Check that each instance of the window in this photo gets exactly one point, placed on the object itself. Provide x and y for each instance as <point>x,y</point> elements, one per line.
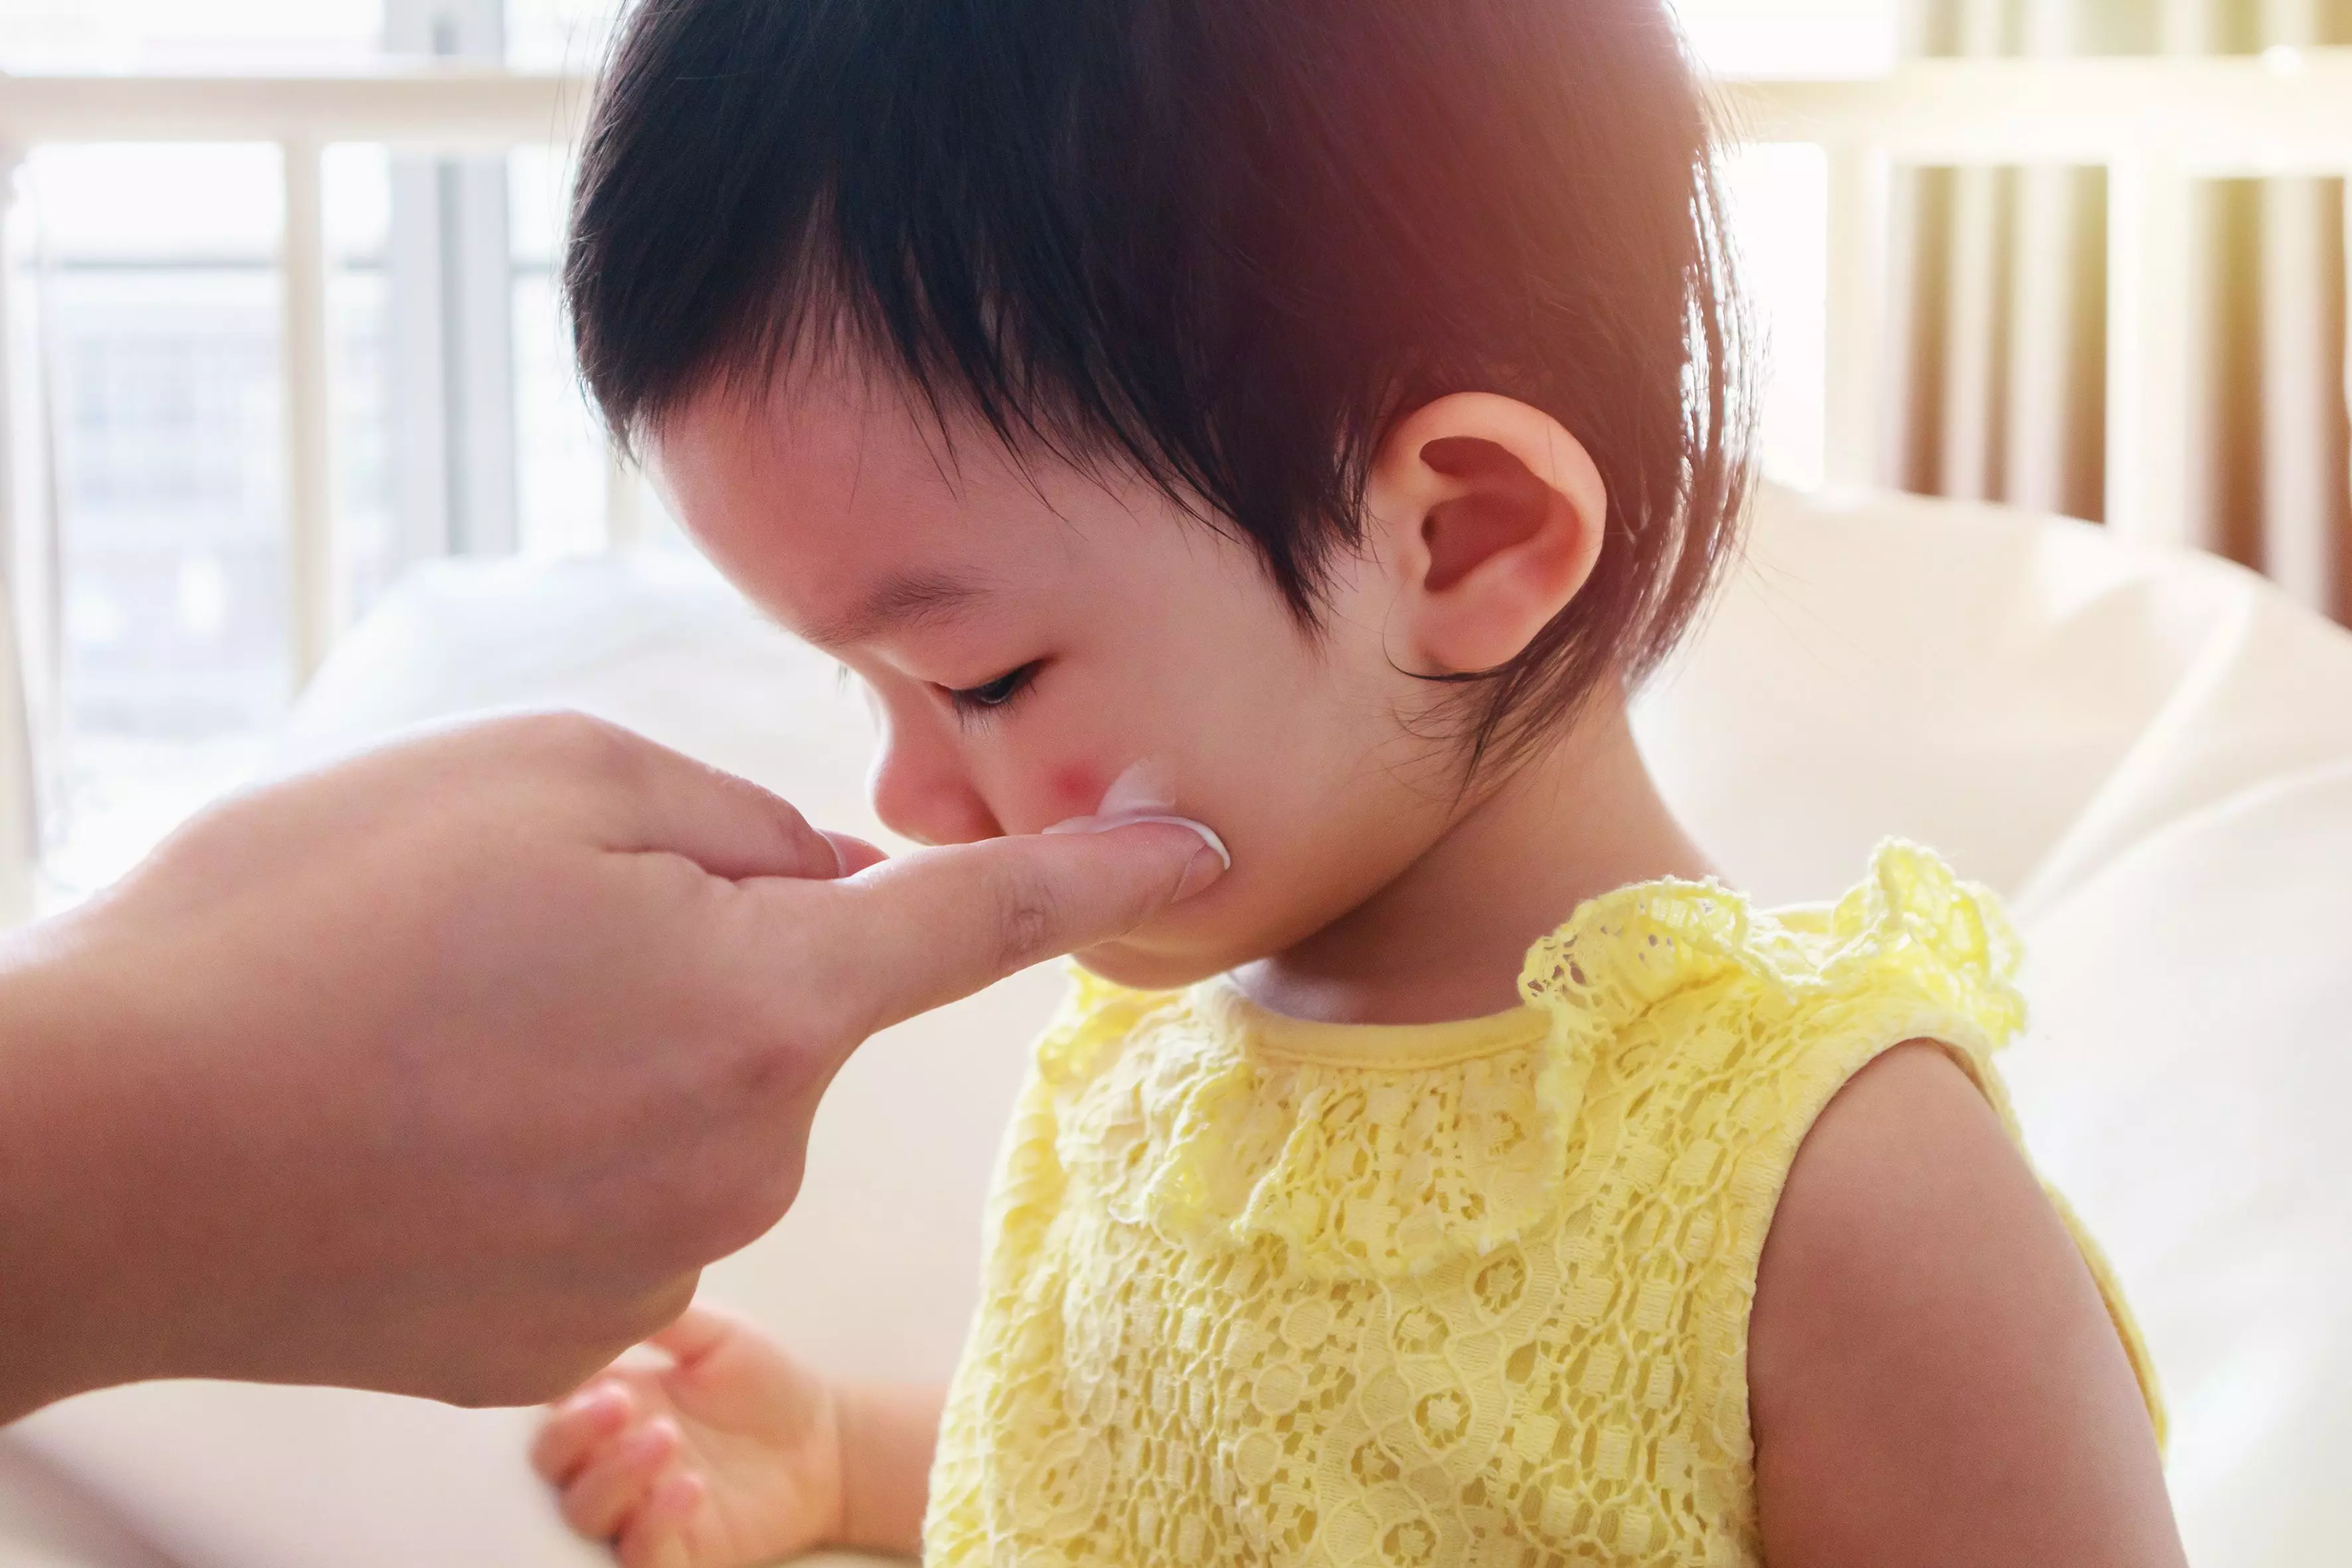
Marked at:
<point>148,299</point>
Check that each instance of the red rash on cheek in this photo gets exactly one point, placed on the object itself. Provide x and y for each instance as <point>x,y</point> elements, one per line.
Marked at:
<point>1078,787</point>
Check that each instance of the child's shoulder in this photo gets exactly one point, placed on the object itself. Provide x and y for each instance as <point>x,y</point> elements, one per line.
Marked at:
<point>1933,1336</point>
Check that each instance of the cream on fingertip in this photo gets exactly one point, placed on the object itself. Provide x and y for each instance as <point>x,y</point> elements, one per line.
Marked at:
<point>1111,824</point>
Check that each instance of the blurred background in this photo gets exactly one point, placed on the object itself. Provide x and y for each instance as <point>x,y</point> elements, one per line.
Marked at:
<point>1947,326</point>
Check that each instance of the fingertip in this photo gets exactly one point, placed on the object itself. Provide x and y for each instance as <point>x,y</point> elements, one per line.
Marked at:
<point>1206,836</point>
<point>926,929</point>
<point>1208,858</point>
<point>572,1429</point>
<point>657,1534</point>
<point>855,854</point>
<point>611,1487</point>
<point>599,1397</point>
<point>1207,868</point>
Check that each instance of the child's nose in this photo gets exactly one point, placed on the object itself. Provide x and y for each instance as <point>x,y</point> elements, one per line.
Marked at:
<point>920,791</point>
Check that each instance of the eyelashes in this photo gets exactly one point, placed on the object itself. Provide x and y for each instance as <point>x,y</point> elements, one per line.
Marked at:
<point>993,697</point>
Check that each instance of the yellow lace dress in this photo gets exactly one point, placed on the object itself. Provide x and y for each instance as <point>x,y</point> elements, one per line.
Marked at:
<point>1269,1291</point>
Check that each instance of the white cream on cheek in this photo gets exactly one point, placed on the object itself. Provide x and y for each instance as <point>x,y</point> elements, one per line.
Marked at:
<point>1143,793</point>
<point>1143,788</point>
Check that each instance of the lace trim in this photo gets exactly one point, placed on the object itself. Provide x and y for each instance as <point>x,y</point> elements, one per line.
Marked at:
<point>1367,1168</point>
<point>1909,922</point>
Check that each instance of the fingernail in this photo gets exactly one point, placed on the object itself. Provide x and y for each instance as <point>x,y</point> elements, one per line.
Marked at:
<point>1208,835</point>
<point>1208,863</point>
<point>851,853</point>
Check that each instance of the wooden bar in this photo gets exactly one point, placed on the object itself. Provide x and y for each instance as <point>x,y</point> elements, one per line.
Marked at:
<point>2303,407</point>
<point>2288,110</point>
<point>2285,113</point>
<point>439,108</point>
<point>1854,420</point>
<point>2150,353</point>
<point>1966,468</point>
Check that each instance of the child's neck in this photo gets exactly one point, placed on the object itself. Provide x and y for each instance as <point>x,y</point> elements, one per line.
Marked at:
<point>1445,939</point>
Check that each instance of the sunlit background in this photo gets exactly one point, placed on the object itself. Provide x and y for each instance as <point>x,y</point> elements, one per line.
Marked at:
<point>149,323</point>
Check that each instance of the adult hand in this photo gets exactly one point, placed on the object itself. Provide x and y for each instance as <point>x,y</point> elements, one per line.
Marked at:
<point>444,1070</point>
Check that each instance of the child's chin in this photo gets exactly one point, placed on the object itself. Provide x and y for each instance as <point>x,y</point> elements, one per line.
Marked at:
<point>1141,968</point>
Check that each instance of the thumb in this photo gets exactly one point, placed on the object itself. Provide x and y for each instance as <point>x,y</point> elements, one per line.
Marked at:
<point>935,926</point>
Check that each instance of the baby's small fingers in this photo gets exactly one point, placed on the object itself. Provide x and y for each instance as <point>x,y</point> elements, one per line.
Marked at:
<point>661,1534</point>
<point>614,1483</point>
<point>574,1428</point>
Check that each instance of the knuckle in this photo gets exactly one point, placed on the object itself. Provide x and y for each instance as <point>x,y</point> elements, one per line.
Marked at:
<point>783,818</point>
<point>755,1196</point>
<point>1027,914</point>
<point>776,1187</point>
<point>583,743</point>
<point>817,1027</point>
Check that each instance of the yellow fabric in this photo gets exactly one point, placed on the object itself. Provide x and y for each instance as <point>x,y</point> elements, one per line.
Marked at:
<point>1266,1291</point>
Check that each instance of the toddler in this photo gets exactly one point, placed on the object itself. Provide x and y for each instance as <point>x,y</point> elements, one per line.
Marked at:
<point>1310,419</point>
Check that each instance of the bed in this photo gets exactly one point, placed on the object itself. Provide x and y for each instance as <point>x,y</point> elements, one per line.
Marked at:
<point>2149,752</point>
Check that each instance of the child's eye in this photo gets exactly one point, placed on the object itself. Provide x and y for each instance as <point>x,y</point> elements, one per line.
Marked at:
<point>994,694</point>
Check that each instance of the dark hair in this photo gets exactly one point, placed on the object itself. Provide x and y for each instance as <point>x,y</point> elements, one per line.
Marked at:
<point>1227,241</point>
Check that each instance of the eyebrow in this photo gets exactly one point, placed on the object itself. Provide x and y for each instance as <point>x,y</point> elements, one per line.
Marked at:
<point>913,598</point>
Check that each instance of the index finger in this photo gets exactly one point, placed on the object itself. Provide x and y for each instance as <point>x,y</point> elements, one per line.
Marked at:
<point>656,800</point>
<point>933,927</point>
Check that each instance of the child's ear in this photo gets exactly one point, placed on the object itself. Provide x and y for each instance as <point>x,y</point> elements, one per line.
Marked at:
<point>1489,515</point>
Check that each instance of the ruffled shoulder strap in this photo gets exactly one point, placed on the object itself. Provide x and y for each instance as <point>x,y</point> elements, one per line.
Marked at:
<point>1949,938</point>
<point>1911,937</point>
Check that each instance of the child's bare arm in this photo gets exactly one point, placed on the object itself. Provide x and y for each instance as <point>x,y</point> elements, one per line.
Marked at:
<point>733,1455</point>
<point>1933,1375</point>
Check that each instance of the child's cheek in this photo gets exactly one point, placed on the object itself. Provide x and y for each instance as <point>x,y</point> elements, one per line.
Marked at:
<point>1075,789</point>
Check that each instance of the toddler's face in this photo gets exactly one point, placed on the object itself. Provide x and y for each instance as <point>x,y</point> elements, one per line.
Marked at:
<point>1029,636</point>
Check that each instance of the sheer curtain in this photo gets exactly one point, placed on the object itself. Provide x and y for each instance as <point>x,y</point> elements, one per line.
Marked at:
<point>2001,308</point>
<point>18,825</point>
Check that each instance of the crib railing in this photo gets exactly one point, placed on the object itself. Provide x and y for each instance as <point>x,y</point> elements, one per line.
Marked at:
<point>2154,124</point>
